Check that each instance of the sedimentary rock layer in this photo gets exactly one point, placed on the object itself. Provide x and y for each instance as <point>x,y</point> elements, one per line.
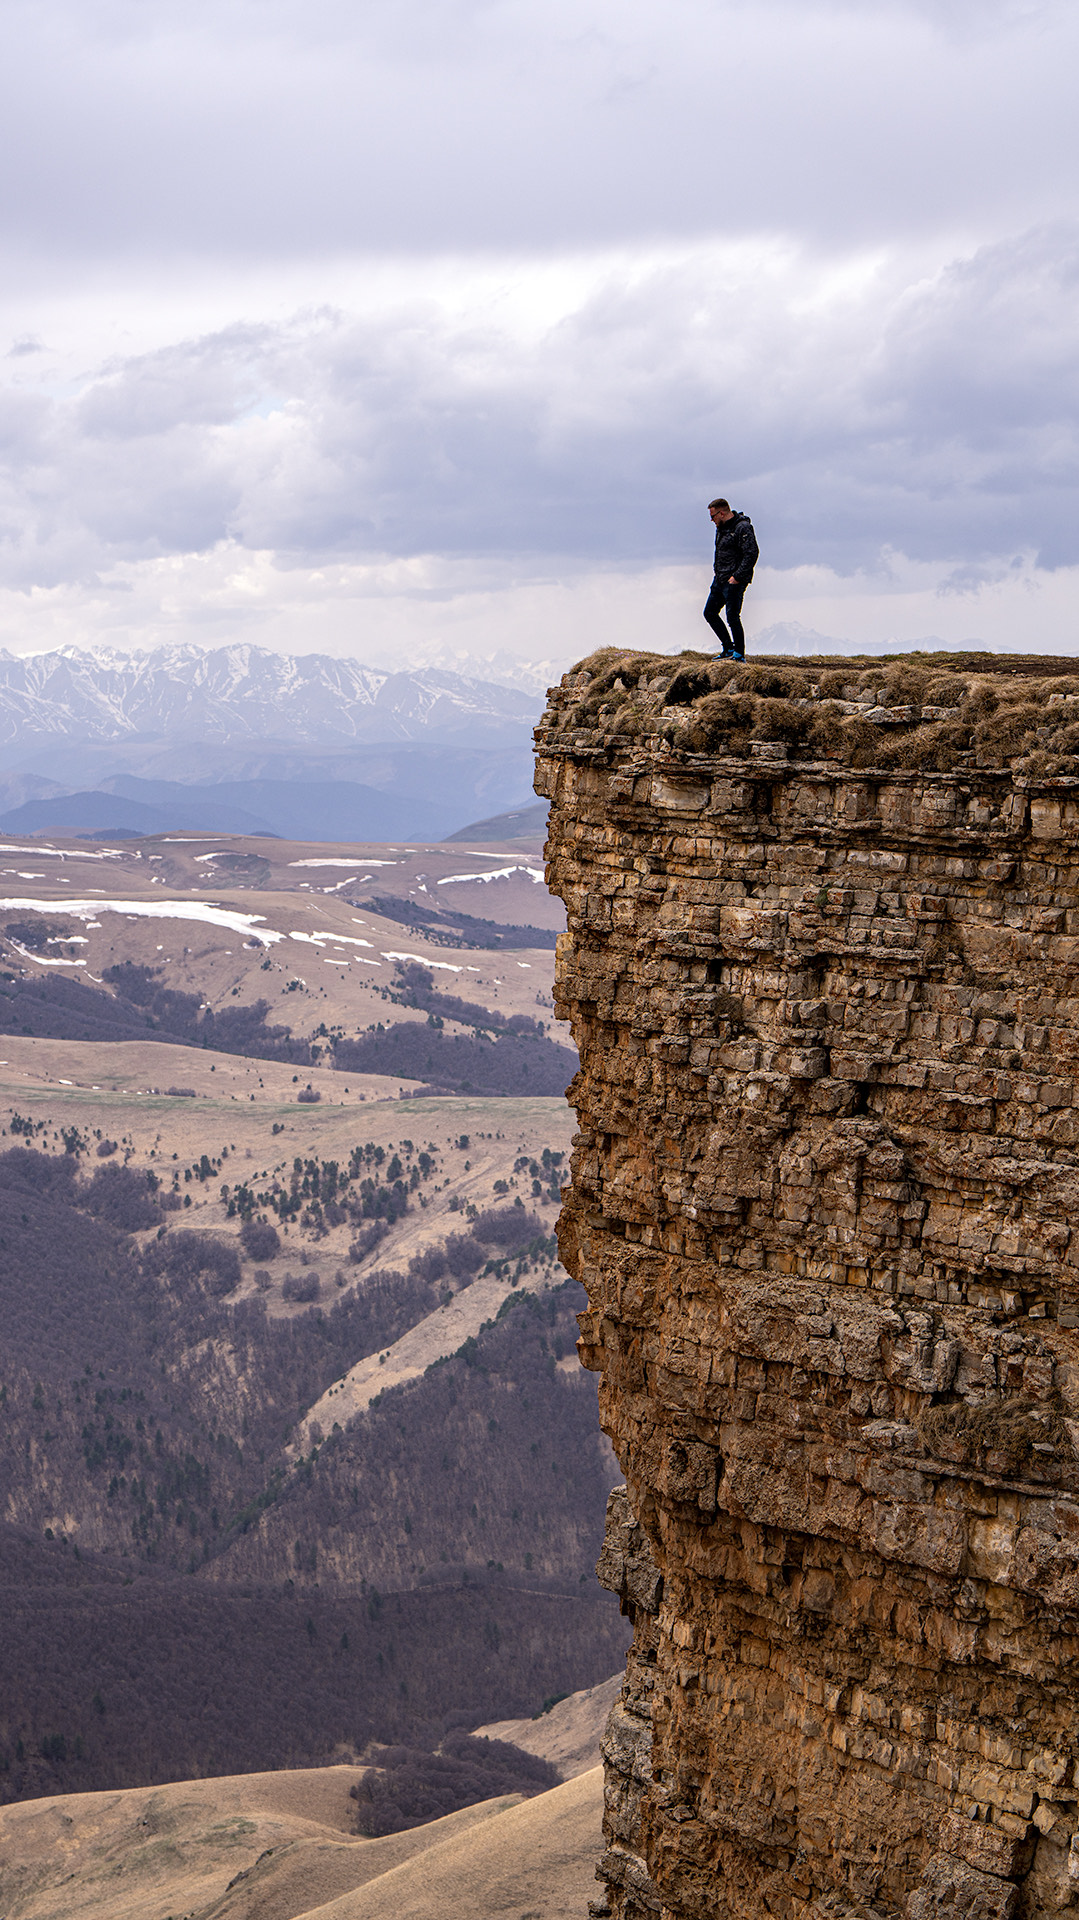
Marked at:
<point>822,967</point>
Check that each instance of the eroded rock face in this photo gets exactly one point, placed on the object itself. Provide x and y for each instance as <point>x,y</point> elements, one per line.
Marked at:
<point>825,1202</point>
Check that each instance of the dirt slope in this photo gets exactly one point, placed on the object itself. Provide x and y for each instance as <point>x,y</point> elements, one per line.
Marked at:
<point>535,1860</point>
<point>569,1734</point>
<point>275,1846</point>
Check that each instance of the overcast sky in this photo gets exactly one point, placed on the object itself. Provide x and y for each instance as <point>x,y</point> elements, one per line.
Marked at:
<point>414,328</point>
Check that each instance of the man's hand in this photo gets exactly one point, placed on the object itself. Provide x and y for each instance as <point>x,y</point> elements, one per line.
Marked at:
<point>732,582</point>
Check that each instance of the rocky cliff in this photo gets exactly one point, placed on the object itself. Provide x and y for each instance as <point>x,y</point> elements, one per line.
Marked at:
<point>822,967</point>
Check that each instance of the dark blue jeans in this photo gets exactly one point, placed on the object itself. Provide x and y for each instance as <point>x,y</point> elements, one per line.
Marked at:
<point>725,599</point>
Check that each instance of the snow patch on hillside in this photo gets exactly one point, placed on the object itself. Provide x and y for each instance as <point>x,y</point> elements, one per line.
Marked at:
<point>251,924</point>
<point>535,874</point>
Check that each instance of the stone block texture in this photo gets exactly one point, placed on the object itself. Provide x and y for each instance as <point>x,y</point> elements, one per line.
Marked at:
<point>822,966</point>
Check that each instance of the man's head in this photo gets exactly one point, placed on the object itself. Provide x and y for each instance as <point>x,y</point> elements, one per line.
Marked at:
<point>720,510</point>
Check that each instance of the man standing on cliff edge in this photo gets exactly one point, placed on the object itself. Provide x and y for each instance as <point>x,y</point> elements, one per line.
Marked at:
<point>737,554</point>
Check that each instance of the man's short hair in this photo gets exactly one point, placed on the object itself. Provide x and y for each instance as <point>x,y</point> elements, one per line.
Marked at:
<point>725,504</point>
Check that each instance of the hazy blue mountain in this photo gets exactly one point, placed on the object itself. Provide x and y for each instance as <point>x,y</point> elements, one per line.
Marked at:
<point>95,812</point>
<point>522,823</point>
<point>295,809</point>
<point>317,810</point>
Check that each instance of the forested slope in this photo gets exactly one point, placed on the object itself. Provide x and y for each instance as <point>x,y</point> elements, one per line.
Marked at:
<point>169,1544</point>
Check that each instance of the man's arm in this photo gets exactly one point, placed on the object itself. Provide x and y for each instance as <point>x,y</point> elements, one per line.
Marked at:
<point>750,554</point>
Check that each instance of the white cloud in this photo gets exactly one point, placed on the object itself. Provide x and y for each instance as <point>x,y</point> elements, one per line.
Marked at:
<point>527,633</point>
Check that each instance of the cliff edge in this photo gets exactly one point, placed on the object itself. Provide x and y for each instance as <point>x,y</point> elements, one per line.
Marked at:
<point>822,966</point>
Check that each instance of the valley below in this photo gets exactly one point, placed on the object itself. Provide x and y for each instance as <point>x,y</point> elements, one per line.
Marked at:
<point>296,1456</point>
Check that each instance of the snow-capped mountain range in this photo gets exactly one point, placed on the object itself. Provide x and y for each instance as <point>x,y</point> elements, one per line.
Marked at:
<point>243,740</point>
<point>243,692</point>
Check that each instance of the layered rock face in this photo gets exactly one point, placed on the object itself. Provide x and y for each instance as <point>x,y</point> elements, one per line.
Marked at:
<point>822,967</point>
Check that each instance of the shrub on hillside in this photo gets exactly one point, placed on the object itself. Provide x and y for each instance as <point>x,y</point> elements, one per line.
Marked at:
<point>409,1786</point>
<point>367,1240</point>
<point>508,1226</point>
<point>172,1015</point>
<point>188,1258</point>
<point>377,1310</point>
<point>46,1173</point>
<point>60,1009</point>
<point>415,987</point>
<point>511,1062</point>
<point>459,1254</point>
<point>123,1198</point>
<point>301,1286</point>
<point>259,1239</point>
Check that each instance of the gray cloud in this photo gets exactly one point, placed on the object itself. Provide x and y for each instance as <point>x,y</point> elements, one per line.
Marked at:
<point>851,409</point>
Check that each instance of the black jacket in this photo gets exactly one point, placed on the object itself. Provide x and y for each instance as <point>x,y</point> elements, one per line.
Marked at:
<point>737,551</point>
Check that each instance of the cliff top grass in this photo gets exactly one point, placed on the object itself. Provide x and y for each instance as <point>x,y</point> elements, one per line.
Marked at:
<point>937,712</point>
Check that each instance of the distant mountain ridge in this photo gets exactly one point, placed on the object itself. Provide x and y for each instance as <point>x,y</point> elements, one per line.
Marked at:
<point>299,810</point>
<point>245,692</point>
<point>242,740</point>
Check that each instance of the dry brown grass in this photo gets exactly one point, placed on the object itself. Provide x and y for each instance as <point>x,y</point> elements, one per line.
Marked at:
<point>1004,1435</point>
<point>938,748</point>
<point>277,1847</point>
<point>780,719</point>
<point>942,712</point>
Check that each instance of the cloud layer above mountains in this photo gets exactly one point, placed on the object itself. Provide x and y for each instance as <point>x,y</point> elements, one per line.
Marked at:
<point>936,418</point>
<point>505,292</point>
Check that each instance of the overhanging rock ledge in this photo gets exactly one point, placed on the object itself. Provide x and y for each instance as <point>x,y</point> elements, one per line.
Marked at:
<point>822,966</point>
